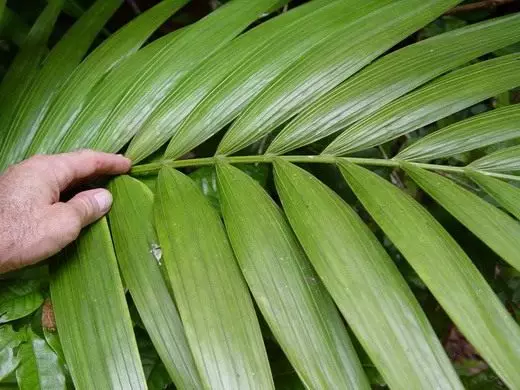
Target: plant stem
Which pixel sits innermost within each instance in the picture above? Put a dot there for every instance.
(153, 168)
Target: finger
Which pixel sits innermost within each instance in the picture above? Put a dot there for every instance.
(68, 168)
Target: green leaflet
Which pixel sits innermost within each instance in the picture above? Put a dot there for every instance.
(327, 65)
(129, 96)
(438, 99)
(92, 316)
(212, 297)
(273, 55)
(476, 132)
(19, 299)
(22, 72)
(444, 268)
(290, 295)
(74, 95)
(505, 194)
(57, 67)
(393, 76)
(494, 227)
(237, 64)
(505, 160)
(138, 253)
(365, 284)
(39, 366)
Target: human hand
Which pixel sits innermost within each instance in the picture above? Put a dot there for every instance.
(34, 224)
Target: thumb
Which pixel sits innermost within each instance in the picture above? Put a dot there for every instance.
(88, 206)
(64, 221)
(82, 210)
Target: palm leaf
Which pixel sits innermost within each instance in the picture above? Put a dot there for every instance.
(505, 160)
(365, 284)
(232, 77)
(304, 67)
(477, 132)
(497, 229)
(393, 76)
(138, 253)
(122, 103)
(325, 67)
(57, 67)
(290, 295)
(505, 194)
(444, 96)
(212, 297)
(75, 94)
(92, 315)
(22, 72)
(440, 263)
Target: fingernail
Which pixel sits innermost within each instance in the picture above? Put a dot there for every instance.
(104, 200)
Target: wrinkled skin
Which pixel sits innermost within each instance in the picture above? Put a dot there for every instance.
(34, 223)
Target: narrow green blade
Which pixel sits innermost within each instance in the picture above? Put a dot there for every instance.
(59, 64)
(392, 77)
(326, 66)
(22, 72)
(442, 97)
(365, 284)
(445, 269)
(278, 44)
(240, 56)
(505, 194)
(125, 100)
(92, 316)
(138, 253)
(40, 368)
(476, 132)
(290, 295)
(505, 160)
(494, 227)
(212, 297)
(166, 119)
(74, 95)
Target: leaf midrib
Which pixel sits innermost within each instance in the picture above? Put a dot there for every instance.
(153, 168)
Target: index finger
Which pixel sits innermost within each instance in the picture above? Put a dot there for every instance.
(71, 167)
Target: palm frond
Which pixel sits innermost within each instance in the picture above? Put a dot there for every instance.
(319, 72)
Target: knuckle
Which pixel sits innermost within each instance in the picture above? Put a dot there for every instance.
(98, 162)
(86, 207)
(74, 230)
